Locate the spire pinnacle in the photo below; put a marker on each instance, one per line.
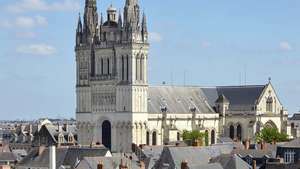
(144, 23)
(79, 25)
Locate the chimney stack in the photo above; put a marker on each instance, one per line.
(122, 165)
(100, 165)
(262, 145)
(247, 144)
(254, 164)
(41, 150)
(184, 164)
(142, 165)
(52, 160)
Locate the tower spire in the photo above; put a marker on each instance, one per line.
(144, 23)
(144, 28)
(79, 25)
(120, 23)
(90, 20)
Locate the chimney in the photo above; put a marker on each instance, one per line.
(254, 164)
(122, 165)
(41, 150)
(247, 144)
(142, 165)
(100, 165)
(66, 127)
(52, 156)
(184, 164)
(262, 145)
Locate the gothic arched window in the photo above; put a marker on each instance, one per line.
(154, 138)
(269, 104)
(123, 68)
(206, 137)
(212, 137)
(108, 67)
(141, 68)
(102, 64)
(127, 68)
(231, 132)
(239, 132)
(148, 138)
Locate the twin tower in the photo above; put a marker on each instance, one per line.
(111, 73)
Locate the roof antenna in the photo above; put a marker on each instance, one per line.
(171, 78)
(184, 77)
(245, 72)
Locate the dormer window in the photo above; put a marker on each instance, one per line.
(70, 138)
(61, 138)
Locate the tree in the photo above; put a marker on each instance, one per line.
(193, 136)
(271, 134)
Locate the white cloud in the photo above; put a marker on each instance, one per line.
(155, 37)
(36, 49)
(285, 46)
(40, 20)
(5, 24)
(205, 44)
(25, 35)
(25, 22)
(43, 5)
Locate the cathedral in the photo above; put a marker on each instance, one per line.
(116, 107)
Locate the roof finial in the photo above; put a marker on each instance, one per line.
(270, 79)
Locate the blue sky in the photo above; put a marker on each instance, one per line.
(213, 42)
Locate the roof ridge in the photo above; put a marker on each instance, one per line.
(199, 86)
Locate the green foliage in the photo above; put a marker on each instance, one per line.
(270, 134)
(193, 135)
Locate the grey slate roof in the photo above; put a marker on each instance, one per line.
(181, 99)
(292, 144)
(229, 161)
(7, 157)
(295, 116)
(255, 153)
(64, 156)
(177, 99)
(152, 153)
(206, 166)
(108, 162)
(173, 156)
(240, 97)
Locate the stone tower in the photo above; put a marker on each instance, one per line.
(111, 86)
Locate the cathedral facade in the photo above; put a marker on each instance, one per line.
(116, 107)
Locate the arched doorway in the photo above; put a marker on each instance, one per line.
(239, 132)
(106, 134)
(154, 138)
(212, 137)
(231, 132)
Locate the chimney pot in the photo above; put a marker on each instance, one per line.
(100, 165)
(184, 164)
(254, 164)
